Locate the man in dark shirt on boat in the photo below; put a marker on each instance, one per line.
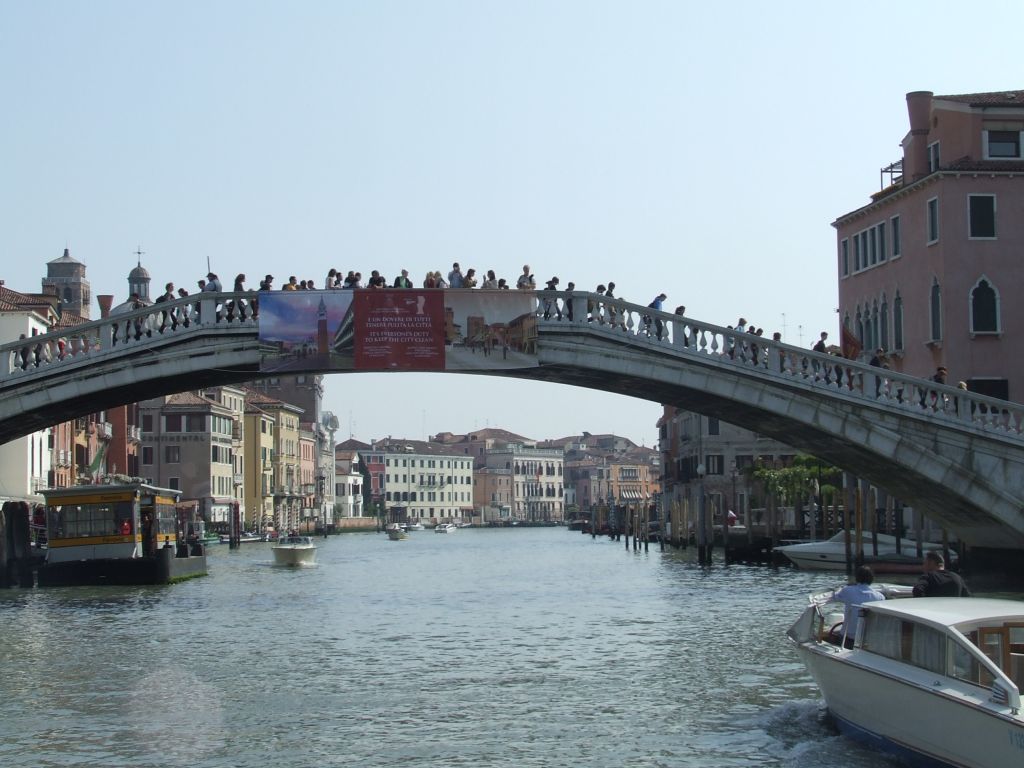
(936, 581)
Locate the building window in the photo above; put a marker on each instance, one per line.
(875, 339)
(172, 423)
(883, 327)
(897, 322)
(147, 422)
(174, 483)
(935, 308)
(981, 216)
(984, 308)
(880, 228)
(195, 422)
(897, 246)
(714, 464)
(1002, 145)
(844, 257)
(147, 454)
(713, 426)
(933, 157)
(933, 220)
(856, 253)
(172, 454)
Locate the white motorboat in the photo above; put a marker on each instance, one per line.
(396, 532)
(243, 538)
(935, 679)
(445, 528)
(830, 554)
(294, 551)
(414, 526)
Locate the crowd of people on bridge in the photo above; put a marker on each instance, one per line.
(597, 311)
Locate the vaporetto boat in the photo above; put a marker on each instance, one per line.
(935, 679)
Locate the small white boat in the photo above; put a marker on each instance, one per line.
(396, 532)
(294, 551)
(934, 679)
(445, 528)
(414, 526)
(830, 554)
(243, 538)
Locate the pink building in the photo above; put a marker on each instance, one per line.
(924, 266)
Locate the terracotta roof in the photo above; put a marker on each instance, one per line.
(489, 433)
(69, 320)
(12, 301)
(398, 446)
(188, 398)
(351, 445)
(255, 397)
(993, 99)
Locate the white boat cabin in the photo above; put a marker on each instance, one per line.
(973, 640)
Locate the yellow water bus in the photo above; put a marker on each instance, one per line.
(130, 533)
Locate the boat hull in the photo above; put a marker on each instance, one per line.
(830, 555)
(294, 556)
(162, 568)
(923, 719)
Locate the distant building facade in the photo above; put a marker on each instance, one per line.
(187, 446)
(348, 481)
(537, 478)
(419, 480)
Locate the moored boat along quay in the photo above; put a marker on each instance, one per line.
(790, 546)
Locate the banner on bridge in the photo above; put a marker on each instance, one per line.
(397, 330)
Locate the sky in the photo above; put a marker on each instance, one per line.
(699, 150)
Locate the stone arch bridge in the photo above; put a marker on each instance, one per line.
(957, 456)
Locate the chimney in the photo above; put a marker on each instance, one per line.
(105, 301)
(915, 148)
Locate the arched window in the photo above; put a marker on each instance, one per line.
(897, 322)
(984, 308)
(935, 308)
(883, 327)
(858, 326)
(874, 326)
(67, 295)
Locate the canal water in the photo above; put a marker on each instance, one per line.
(512, 647)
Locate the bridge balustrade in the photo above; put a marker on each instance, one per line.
(634, 324)
(137, 327)
(765, 357)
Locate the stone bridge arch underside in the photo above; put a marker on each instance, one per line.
(963, 474)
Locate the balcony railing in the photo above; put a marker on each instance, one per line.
(104, 430)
